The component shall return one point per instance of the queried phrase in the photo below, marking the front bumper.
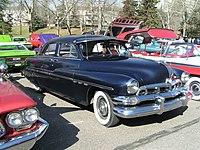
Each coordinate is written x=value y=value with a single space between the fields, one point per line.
x=151 y=104
x=27 y=140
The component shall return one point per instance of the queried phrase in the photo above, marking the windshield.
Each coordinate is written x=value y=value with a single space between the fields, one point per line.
x=104 y=49
x=182 y=50
x=19 y=40
x=12 y=47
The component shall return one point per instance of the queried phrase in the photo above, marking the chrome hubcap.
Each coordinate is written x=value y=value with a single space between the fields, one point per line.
x=102 y=107
x=195 y=88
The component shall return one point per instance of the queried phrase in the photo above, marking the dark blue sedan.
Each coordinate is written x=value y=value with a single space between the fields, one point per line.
x=99 y=70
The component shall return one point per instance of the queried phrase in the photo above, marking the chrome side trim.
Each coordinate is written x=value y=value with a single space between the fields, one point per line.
x=85 y=83
x=26 y=140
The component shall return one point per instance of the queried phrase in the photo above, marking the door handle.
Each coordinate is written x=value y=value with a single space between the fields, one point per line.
x=53 y=60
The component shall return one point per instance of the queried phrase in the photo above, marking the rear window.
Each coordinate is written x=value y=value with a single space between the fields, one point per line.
x=12 y=47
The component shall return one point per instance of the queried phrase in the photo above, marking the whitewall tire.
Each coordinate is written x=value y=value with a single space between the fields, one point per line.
x=103 y=109
x=194 y=86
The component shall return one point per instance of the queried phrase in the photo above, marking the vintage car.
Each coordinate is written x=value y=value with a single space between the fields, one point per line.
x=121 y=25
x=15 y=54
x=185 y=56
x=98 y=69
x=148 y=41
x=23 y=41
x=20 y=122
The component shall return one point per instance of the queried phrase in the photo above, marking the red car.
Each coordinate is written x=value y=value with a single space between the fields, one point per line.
x=38 y=40
x=20 y=123
x=147 y=41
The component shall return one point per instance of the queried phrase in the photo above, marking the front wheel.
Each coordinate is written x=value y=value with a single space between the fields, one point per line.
x=103 y=109
x=194 y=87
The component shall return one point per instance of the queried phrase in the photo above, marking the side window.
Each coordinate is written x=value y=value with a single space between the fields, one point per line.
x=50 y=49
x=68 y=50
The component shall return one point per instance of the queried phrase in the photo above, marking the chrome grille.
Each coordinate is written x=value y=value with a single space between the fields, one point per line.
x=159 y=88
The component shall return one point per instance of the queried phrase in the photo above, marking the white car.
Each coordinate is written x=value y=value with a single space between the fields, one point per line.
x=185 y=56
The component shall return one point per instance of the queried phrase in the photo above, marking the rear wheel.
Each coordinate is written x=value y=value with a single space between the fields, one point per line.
x=103 y=109
x=194 y=87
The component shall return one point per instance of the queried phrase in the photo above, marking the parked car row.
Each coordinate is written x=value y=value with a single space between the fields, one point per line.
x=104 y=73
x=21 y=40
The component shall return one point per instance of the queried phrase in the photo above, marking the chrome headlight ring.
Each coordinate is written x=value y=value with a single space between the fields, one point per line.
x=14 y=119
x=31 y=115
x=23 y=117
x=132 y=86
x=185 y=77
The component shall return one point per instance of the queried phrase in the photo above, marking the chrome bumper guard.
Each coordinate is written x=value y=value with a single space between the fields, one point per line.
x=26 y=140
x=132 y=107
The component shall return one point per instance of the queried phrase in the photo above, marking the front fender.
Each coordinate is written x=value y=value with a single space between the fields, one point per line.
x=177 y=72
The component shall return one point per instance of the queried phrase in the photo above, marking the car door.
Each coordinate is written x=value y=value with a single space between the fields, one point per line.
x=45 y=67
x=63 y=68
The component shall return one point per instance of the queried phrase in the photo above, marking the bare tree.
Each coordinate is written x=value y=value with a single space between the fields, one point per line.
x=177 y=13
x=61 y=10
x=101 y=9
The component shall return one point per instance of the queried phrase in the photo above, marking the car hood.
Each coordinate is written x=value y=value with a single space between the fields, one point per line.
x=5 y=53
x=143 y=70
x=12 y=98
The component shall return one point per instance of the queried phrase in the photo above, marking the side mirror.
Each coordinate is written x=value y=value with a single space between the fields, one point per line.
x=3 y=71
x=3 y=68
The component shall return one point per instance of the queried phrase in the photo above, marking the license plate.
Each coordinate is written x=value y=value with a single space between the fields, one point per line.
x=16 y=58
x=18 y=64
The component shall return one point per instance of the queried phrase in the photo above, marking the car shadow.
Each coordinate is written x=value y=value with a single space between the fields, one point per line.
x=153 y=118
x=61 y=134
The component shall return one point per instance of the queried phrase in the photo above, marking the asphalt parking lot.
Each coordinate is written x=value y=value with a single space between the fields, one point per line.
x=74 y=127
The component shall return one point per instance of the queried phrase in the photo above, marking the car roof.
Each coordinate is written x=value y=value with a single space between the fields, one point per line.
x=82 y=38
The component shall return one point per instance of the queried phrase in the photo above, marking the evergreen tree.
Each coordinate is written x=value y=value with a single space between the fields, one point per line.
x=130 y=9
x=5 y=27
x=148 y=12
x=37 y=21
x=193 y=24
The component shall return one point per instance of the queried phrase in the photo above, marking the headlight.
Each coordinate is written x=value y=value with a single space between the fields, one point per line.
x=31 y=115
x=132 y=86
x=3 y=68
x=185 y=77
x=14 y=119
x=23 y=117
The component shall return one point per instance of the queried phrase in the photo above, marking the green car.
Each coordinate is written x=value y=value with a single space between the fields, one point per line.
x=23 y=41
x=15 y=54
x=5 y=38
